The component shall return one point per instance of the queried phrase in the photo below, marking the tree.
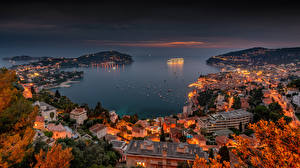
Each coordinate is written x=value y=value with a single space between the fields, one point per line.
x=87 y=154
x=184 y=164
x=211 y=153
x=224 y=153
x=241 y=127
x=51 y=115
x=57 y=94
x=54 y=158
x=162 y=135
x=277 y=144
x=236 y=102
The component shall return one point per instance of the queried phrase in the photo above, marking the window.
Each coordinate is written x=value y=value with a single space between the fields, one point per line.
x=142 y=164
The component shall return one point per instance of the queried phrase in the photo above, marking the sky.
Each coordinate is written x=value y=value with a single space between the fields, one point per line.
x=74 y=28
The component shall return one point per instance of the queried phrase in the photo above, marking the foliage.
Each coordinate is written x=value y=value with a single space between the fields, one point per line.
x=256 y=96
x=236 y=102
x=89 y=154
x=55 y=157
x=16 y=121
x=224 y=153
x=184 y=164
x=48 y=134
x=61 y=102
x=273 y=112
x=294 y=84
x=277 y=144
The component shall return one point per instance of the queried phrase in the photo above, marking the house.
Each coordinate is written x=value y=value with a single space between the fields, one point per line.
x=59 y=131
x=160 y=154
x=138 y=131
x=39 y=123
x=113 y=116
x=169 y=122
x=175 y=133
x=197 y=139
x=98 y=130
x=221 y=140
x=79 y=114
x=119 y=146
x=47 y=111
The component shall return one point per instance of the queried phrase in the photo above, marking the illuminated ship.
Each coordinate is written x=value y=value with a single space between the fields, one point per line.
x=175 y=61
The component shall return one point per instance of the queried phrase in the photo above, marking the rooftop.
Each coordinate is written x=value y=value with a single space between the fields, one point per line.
x=173 y=150
x=97 y=127
x=230 y=115
x=78 y=111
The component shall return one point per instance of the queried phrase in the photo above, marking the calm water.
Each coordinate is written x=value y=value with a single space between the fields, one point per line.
x=148 y=87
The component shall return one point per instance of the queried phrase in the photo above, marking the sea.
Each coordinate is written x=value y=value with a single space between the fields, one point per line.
x=148 y=87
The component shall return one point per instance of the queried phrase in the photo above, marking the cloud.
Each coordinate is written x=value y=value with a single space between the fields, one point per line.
x=207 y=43
x=179 y=44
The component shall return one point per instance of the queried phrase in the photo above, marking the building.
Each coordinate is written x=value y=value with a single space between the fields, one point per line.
x=222 y=120
x=138 y=131
x=59 y=131
x=113 y=116
x=47 y=111
x=39 y=123
x=79 y=114
x=119 y=146
x=160 y=154
x=98 y=130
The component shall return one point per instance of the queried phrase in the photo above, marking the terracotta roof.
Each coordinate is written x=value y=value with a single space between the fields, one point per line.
x=97 y=127
x=78 y=111
x=221 y=140
x=58 y=128
x=39 y=119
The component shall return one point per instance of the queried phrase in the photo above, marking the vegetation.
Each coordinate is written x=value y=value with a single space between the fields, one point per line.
x=236 y=102
x=258 y=56
x=88 y=154
x=60 y=102
x=276 y=144
x=273 y=112
x=16 y=119
x=294 y=84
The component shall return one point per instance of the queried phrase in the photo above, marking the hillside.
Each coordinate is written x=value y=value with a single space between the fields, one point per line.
x=257 y=56
x=105 y=56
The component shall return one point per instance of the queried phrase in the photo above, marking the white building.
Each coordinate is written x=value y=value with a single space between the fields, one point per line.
x=98 y=130
x=47 y=111
x=223 y=120
x=79 y=114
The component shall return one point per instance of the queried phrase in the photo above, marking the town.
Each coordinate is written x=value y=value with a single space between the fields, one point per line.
x=220 y=105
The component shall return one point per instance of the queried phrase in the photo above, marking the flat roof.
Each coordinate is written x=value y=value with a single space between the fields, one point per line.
x=135 y=147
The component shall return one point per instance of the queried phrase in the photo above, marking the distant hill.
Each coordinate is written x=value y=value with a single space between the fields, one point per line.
x=257 y=56
x=105 y=56
x=86 y=60
x=24 y=58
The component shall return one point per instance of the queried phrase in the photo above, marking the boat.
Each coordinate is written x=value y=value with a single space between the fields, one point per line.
x=175 y=61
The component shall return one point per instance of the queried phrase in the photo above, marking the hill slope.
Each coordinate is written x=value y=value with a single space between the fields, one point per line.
x=257 y=56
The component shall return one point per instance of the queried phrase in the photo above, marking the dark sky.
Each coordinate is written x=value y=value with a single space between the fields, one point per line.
x=68 y=28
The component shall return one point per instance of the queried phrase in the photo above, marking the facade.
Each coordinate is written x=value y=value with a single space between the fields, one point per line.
x=160 y=154
x=39 y=123
x=138 y=131
x=113 y=116
x=79 y=114
x=47 y=111
x=98 y=130
x=222 y=120
x=59 y=131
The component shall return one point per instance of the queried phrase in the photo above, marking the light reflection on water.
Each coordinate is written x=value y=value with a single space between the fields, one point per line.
x=149 y=86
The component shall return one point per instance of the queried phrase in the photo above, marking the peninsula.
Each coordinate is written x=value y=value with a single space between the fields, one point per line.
x=256 y=57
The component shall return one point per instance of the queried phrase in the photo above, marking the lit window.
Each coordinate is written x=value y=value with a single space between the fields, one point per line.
x=141 y=164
